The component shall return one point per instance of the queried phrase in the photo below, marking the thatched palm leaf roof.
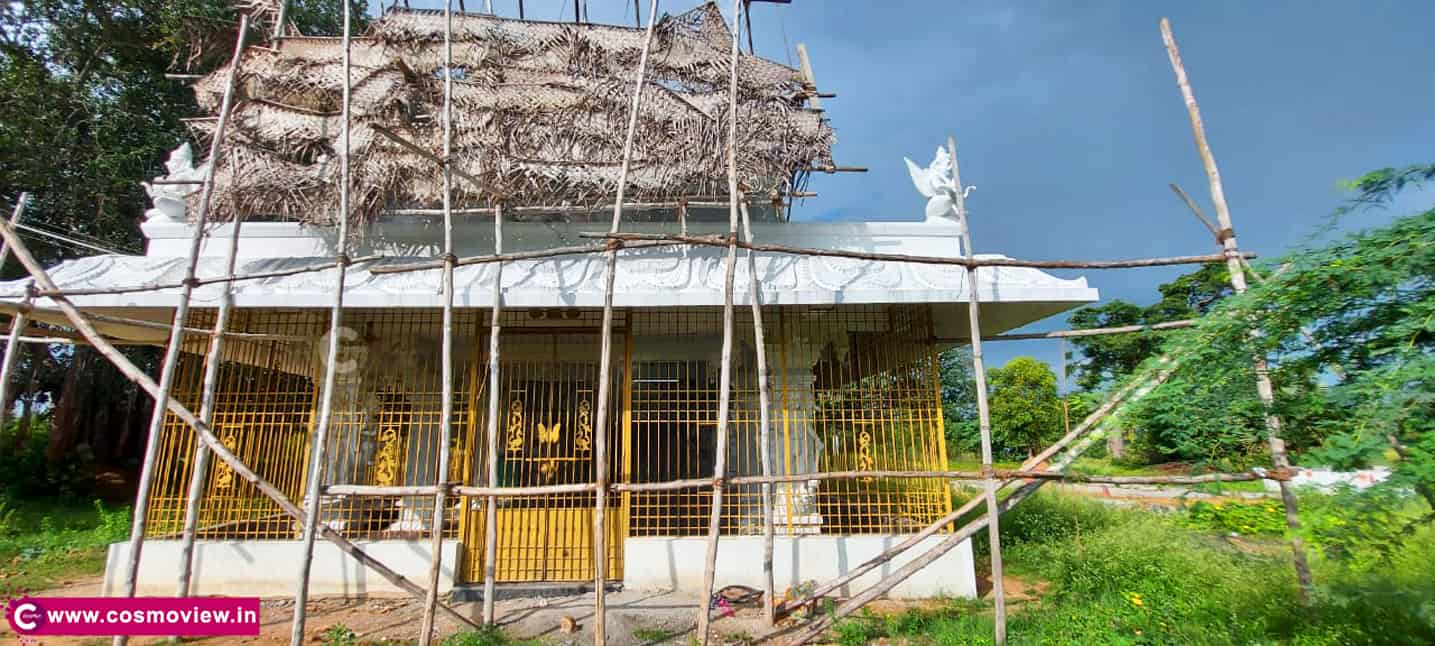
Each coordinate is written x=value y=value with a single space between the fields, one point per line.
x=540 y=111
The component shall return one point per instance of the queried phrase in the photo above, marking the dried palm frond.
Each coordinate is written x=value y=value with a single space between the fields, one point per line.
x=540 y=111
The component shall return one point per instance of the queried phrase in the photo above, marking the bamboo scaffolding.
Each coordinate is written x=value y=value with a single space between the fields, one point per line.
x=722 y=241
x=1087 y=425
x=984 y=420
x=605 y=385
x=318 y=444
x=177 y=328
x=15 y=218
x=1074 y=442
x=440 y=500
x=205 y=433
x=817 y=626
x=1227 y=237
x=764 y=400
x=725 y=369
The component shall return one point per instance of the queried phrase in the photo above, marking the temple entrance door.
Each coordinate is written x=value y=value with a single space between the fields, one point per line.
x=548 y=407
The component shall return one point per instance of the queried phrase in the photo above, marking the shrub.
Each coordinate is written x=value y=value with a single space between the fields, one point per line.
x=1242 y=518
x=339 y=635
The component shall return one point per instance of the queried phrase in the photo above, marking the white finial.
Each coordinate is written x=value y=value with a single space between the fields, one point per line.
x=937 y=184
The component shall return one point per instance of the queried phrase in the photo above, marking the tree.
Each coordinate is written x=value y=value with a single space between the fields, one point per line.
x=1025 y=409
x=1349 y=330
x=959 y=400
x=1109 y=358
x=86 y=115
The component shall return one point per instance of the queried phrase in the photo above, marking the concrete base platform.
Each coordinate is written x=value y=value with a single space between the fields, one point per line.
x=268 y=568
x=662 y=563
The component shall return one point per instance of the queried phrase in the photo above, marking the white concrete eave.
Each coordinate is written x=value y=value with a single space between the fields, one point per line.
x=646 y=278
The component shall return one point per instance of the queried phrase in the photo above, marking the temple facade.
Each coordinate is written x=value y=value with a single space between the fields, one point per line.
x=852 y=345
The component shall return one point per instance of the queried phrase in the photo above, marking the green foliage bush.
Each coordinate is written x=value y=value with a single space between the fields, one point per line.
x=1249 y=519
x=1130 y=577
x=339 y=635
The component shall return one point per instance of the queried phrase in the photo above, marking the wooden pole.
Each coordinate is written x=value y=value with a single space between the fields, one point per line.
x=132 y=372
x=15 y=218
x=17 y=324
x=12 y=354
x=280 y=16
x=200 y=468
x=320 y=439
x=984 y=421
x=1227 y=236
x=722 y=241
x=764 y=399
x=605 y=355
x=725 y=371
x=149 y=287
x=805 y=64
x=441 y=475
x=490 y=527
x=177 y=327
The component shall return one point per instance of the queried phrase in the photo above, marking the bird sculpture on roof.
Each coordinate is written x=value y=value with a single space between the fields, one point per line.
x=938 y=184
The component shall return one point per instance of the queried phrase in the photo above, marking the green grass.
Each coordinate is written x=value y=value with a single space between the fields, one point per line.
x=1121 y=576
x=487 y=636
x=44 y=543
x=654 y=635
x=974 y=463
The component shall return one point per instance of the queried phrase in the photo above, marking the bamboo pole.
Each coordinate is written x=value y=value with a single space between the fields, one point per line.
x=817 y=626
x=15 y=218
x=1087 y=425
x=984 y=421
x=154 y=325
x=438 y=161
x=206 y=434
x=552 y=252
x=725 y=371
x=177 y=328
x=1227 y=236
x=17 y=324
x=149 y=287
x=279 y=18
x=320 y=438
x=441 y=475
x=605 y=359
x=1024 y=473
x=721 y=241
x=200 y=468
x=764 y=422
x=1096 y=331
x=490 y=527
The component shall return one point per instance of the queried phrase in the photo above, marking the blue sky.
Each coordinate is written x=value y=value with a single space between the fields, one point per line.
x=1068 y=120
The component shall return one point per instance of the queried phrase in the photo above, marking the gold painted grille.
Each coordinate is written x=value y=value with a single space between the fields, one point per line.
x=852 y=388
x=548 y=403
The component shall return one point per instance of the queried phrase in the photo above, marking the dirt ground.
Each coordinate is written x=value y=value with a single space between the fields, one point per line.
x=634 y=618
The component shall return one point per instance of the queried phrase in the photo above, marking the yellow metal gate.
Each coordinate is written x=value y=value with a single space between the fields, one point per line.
x=548 y=407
